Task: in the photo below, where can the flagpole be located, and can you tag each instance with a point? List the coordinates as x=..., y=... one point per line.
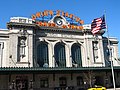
x=110, y=53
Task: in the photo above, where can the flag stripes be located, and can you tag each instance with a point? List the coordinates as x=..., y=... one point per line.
x=98, y=24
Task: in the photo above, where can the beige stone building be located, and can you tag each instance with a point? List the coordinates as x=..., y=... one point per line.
x=55, y=54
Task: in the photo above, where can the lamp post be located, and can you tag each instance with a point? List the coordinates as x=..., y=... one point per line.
x=112, y=68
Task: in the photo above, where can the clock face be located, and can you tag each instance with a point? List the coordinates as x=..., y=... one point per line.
x=58, y=21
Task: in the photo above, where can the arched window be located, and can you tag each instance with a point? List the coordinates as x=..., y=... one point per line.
x=76, y=55
x=60, y=57
x=42, y=55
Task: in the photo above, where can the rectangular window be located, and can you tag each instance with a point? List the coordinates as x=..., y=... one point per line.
x=62, y=81
x=1, y=52
x=95, y=50
x=79, y=81
x=22, y=51
x=0, y=49
x=44, y=83
x=21, y=48
x=22, y=20
x=0, y=55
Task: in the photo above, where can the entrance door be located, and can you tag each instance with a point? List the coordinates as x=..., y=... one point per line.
x=21, y=83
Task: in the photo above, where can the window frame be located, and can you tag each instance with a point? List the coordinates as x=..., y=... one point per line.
x=60, y=55
x=80, y=81
x=76, y=60
x=1, y=52
x=62, y=81
x=44, y=82
x=42, y=60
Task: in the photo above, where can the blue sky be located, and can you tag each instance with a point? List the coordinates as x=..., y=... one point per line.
x=87, y=10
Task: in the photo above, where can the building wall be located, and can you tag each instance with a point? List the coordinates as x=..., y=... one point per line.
x=10, y=48
x=15, y=59
x=12, y=56
x=85, y=41
x=4, y=83
x=4, y=47
x=89, y=79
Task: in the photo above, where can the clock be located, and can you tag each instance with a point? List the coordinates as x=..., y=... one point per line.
x=58, y=21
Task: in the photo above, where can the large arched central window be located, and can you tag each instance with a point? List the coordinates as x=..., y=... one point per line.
x=42, y=54
x=60, y=57
x=76, y=55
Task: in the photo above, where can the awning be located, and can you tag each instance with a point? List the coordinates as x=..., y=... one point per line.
x=51, y=70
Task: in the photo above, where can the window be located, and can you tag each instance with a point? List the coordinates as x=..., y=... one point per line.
x=76, y=55
x=62, y=81
x=95, y=50
x=98, y=80
x=22, y=20
x=60, y=56
x=1, y=47
x=21, y=47
x=21, y=83
x=42, y=54
x=79, y=81
x=1, y=51
x=0, y=54
x=44, y=83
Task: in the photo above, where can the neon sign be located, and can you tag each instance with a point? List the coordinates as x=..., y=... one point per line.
x=49, y=18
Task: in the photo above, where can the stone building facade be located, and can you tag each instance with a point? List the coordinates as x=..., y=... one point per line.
x=38, y=57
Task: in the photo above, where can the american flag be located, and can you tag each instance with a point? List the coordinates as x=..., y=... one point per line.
x=98, y=24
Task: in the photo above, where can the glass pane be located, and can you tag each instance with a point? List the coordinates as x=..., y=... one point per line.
x=62, y=81
x=79, y=81
x=44, y=83
x=60, y=56
x=42, y=55
x=76, y=55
